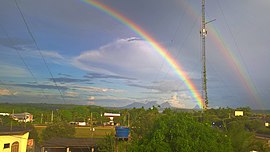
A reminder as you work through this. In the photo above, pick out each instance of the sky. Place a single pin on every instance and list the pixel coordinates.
(70, 52)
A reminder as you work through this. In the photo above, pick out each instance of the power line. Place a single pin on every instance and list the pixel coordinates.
(22, 59)
(39, 51)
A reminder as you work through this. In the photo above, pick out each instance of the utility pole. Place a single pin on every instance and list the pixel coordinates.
(91, 125)
(128, 118)
(52, 116)
(203, 34)
(11, 125)
(41, 119)
(91, 122)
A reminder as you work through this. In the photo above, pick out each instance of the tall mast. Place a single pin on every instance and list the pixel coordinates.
(203, 34)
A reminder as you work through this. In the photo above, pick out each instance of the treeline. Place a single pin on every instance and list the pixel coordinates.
(212, 130)
(46, 113)
(152, 130)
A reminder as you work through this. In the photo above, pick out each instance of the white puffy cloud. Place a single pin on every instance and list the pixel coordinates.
(176, 101)
(127, 57)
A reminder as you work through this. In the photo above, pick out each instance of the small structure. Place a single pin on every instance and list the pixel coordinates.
(22, 117)
(4, 114)
(238, 113)
(82, 123)
(122, 132)
(71, 144)
(14, 140)
(111, 116)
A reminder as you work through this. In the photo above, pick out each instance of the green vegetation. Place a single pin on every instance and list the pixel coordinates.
(60, 129)
(85, 132)
(171, 130)
(211, 130)
(175, 132)
(61, 112)
(100, 132)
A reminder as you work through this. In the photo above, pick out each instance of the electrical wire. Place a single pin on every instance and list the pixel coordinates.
(23, 61)
(39, 51)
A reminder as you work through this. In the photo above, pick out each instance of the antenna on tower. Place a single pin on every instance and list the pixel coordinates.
(203, 34)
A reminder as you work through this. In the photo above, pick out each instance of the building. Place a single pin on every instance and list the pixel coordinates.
(238, 113)
(14, 140)
(82, 123)
(22, 117)
(4, 114)
(111, 116)
(70, 145)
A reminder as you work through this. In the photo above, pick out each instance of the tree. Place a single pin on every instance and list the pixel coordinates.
(60, 129)
(107, 144)
(66, 115)
(254, 125)
(176, 132)
(80, 113)
(142, 121)
(241, 138)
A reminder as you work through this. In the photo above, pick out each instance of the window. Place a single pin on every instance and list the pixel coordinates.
(6, 145)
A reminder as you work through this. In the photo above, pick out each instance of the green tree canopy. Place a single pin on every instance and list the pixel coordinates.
(60, 129)
(142, 121)
(175, 132)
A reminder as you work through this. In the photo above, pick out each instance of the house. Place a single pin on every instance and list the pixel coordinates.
(238, 113)
(22, 117)
(71, 144)
(14, 140)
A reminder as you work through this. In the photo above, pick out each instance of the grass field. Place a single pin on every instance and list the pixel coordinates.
(84, 132)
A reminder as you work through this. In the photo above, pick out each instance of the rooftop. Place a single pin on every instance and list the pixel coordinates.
(71, 142)
(13, 131)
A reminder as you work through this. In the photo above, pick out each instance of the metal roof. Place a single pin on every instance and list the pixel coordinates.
(71, 142)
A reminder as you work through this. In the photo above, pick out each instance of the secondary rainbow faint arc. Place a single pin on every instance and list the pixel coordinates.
(161, 50)
(228, 53)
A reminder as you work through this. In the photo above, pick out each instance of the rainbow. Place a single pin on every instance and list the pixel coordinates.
(161, 50)
(235, 64)
(231, 57)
